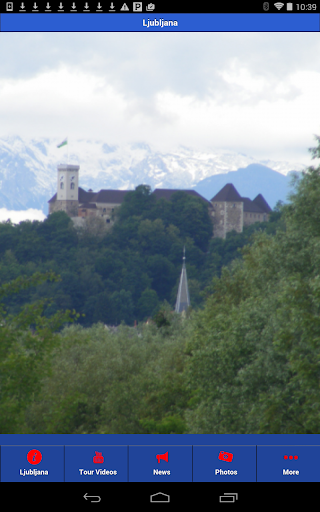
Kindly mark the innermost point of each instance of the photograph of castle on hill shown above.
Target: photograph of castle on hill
(159, 233)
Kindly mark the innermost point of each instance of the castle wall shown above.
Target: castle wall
(105, 211)
(234, 217)
(70, 207)
(228, 216)
(219, 220)
(107, 208)
(250, 218)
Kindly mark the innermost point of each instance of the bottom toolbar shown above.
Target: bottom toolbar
(160, 464)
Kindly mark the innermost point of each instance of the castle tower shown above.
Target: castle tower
(67, 189)
(228, 215)
(183, 299)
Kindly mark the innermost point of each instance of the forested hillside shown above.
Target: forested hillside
(246, 361)
(123, 275)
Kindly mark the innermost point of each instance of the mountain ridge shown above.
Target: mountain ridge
(28, 167)
(249, 182)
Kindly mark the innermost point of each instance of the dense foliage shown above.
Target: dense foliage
(125, 274)
(255, 365)
(248, 361)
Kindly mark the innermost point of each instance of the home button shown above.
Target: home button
(159, 497)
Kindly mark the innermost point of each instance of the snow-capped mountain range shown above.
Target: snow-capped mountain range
(28, 168)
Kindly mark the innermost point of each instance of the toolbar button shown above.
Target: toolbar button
(160, 464)
(160, 497)
(30, 464)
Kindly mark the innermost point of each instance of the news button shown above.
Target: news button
(160, 463)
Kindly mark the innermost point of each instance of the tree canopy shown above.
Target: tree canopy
(245, 359)
(107, 276)
(255, 365)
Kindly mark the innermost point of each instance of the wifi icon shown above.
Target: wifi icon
(279, 5)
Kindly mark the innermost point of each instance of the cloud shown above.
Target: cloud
(247, 91)
(18, 216)
(140, 64)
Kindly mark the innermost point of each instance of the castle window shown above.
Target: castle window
(104, 210)
(62, 185)
(108, 221)
(112, 210)
(233, 206)
(72, 186)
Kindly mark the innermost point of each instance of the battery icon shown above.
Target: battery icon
(289, 7)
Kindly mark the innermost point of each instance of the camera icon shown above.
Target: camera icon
(226, 456)
(9, 6)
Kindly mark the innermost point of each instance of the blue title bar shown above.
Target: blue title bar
(137, 22)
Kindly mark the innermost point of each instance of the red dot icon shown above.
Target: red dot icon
(291, 457)
(34, 456)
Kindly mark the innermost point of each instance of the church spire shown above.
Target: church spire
(183, 299)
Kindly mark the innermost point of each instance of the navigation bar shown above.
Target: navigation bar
(105, 463)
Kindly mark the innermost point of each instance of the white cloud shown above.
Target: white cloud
(251, 92)
(18, 216)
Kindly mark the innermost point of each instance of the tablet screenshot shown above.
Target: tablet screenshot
(159, 254)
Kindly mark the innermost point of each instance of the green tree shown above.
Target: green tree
(106, 381)
(58, 232)
(255, 350)
(26, 341)
(191, 216)
(8, 236)
(136, 202)
(147, 304)
(163, 275)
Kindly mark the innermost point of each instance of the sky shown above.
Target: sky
(256, 93)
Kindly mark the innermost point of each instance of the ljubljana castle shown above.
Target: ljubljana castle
(227, 209)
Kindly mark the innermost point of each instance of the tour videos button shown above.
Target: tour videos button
(288, 464)
(96, 463)
(224, 463)
(160, 463)
(32, 464)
